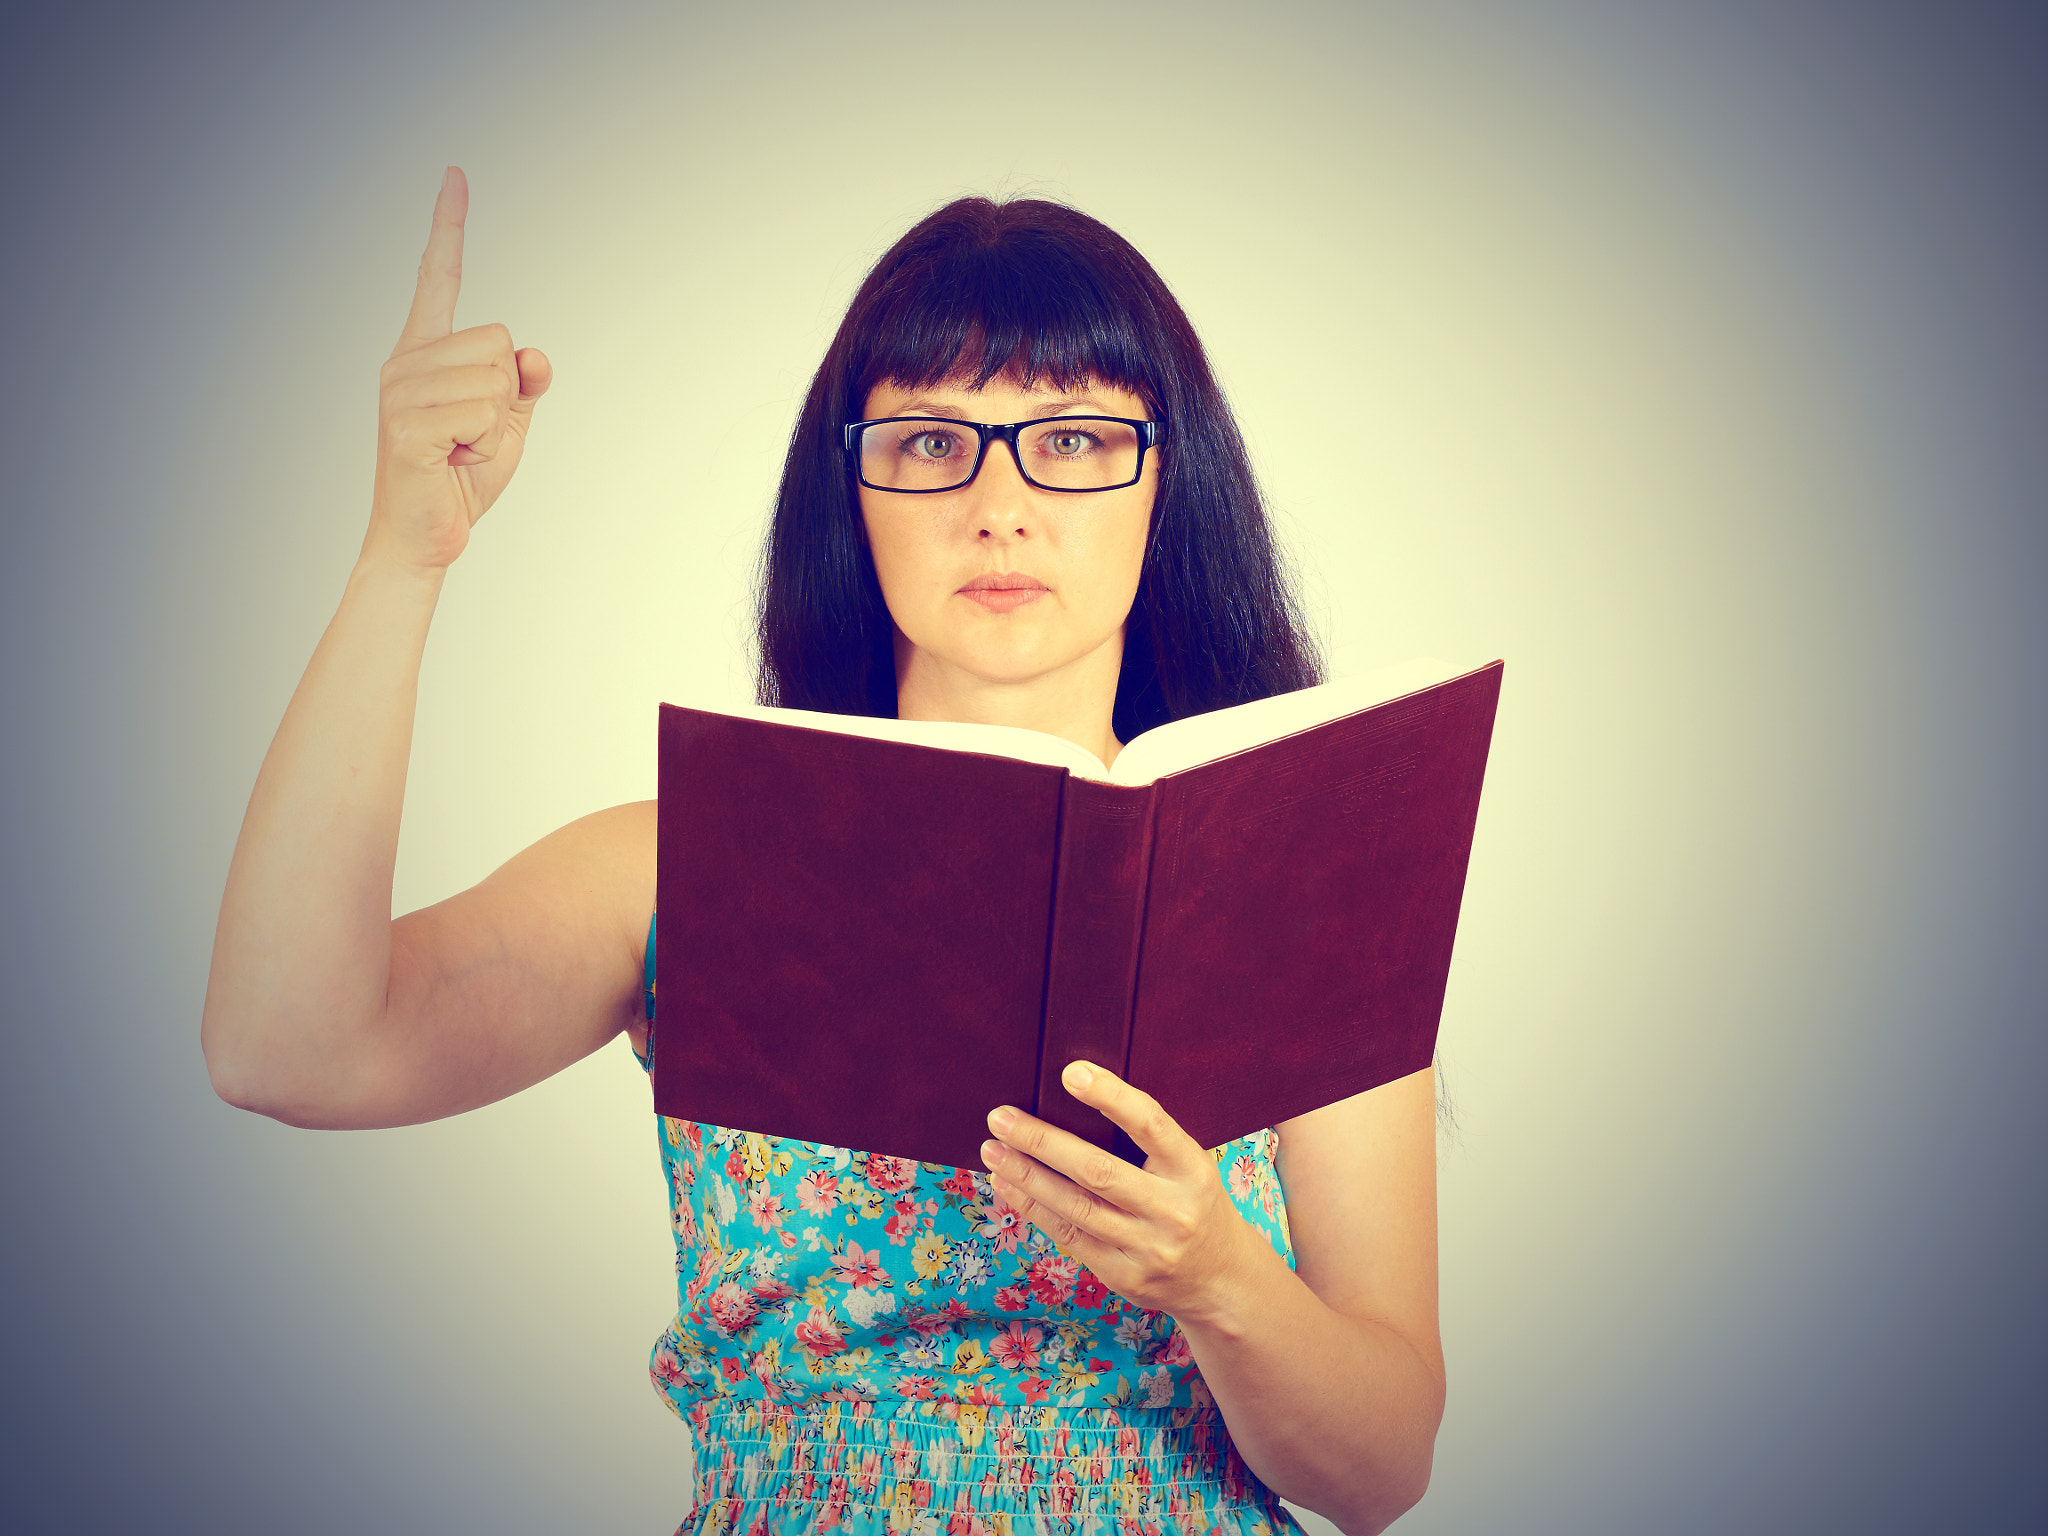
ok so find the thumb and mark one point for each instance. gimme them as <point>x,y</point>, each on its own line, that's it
<point>535,374</point>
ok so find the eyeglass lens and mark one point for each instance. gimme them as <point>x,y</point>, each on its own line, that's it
<point>1080,453</point>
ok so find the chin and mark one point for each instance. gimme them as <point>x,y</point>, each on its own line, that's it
<point>997,642</point>
<point>1010,653</point>
<point>1008,669</point>
<point>1013,663</point>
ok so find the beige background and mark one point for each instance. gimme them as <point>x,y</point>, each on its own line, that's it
<point>1688,357</point>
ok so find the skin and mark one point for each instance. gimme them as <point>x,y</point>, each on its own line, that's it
<point>323,1010</point>
<point>1050,664</point>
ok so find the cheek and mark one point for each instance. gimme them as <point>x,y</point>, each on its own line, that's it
<point>885,544</point>
<point>1104,559</point>
<point>906,561</point>
<point>1119,549</point>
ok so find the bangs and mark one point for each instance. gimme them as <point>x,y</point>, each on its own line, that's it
<point>1028,307</point>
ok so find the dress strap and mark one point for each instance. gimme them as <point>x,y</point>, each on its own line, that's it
<point>647,994</point>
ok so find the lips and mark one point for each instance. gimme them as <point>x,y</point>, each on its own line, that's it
<point>1005,581</point>
<point>1004,591</point>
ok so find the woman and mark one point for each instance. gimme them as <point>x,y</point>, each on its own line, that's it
<point>1061,1340</point>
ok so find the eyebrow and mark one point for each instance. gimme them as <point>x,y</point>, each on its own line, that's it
<point>929,406</point>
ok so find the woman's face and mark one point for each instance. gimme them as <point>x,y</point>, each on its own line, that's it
<point>1082,550</point>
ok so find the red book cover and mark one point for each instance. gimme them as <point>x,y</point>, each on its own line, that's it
<point>870,943</point>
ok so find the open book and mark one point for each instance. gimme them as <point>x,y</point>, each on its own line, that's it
<point>872,932</point>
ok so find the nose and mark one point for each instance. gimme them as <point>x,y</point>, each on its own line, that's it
<point>1000,498</point>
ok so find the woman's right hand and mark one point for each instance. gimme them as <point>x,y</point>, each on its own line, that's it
<point>452,411</point>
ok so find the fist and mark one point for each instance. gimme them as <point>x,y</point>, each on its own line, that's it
<point>453,409</point>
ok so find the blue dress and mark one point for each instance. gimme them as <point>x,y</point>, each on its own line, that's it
<point>866,1344</point>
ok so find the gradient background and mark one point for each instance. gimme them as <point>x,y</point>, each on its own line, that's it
<point>1689,357</point>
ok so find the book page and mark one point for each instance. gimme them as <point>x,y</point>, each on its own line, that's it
<point>1203,738</point>
<point>1162,750</point>
<point>949,735</point>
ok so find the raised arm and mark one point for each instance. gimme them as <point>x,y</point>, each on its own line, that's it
<point>320,1009</point>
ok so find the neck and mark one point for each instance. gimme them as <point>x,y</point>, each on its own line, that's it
<point>1075,702</point>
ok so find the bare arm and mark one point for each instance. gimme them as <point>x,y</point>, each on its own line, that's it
<point>1332,1378</point>
<point>1329,1376</point>
<point>320,1010</point>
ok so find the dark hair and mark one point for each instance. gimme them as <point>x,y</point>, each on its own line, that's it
<point>1041,290</point>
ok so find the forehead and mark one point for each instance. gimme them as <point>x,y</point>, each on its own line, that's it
<point>1003,398</point>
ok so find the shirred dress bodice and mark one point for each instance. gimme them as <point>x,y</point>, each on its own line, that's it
<point>863,1343</point>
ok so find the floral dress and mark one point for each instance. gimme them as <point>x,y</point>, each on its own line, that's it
<point>866,1344</point>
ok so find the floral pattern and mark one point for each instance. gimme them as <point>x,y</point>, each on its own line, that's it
<point>864,1343</point>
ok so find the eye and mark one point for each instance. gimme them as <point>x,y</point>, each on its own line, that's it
<point>1067,444</point>
<point>935,445</point>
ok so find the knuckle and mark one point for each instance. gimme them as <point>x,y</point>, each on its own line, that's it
<point>1099,1172</point>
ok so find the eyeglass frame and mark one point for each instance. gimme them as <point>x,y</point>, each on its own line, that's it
<point>1150,433</point>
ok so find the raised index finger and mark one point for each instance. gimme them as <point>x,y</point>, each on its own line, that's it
<point>433,301</point>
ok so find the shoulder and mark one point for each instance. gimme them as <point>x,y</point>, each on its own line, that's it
<point>614,849</point>
<point>1380,1123</point>
<point>569,912</point>
<point>609,853</point>
<point>601,866</point>
<point>631,825</point>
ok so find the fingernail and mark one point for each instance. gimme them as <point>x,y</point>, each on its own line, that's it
<point>990,1151</point>
<point>1079,1074</point>
<point>1002,1119</point>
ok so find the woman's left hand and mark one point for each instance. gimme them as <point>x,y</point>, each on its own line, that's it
<point>1165,1236</point>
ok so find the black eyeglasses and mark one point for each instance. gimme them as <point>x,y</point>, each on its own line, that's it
<point>921,455</point>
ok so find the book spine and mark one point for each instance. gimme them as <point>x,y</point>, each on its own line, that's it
<point>1098,909</point>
